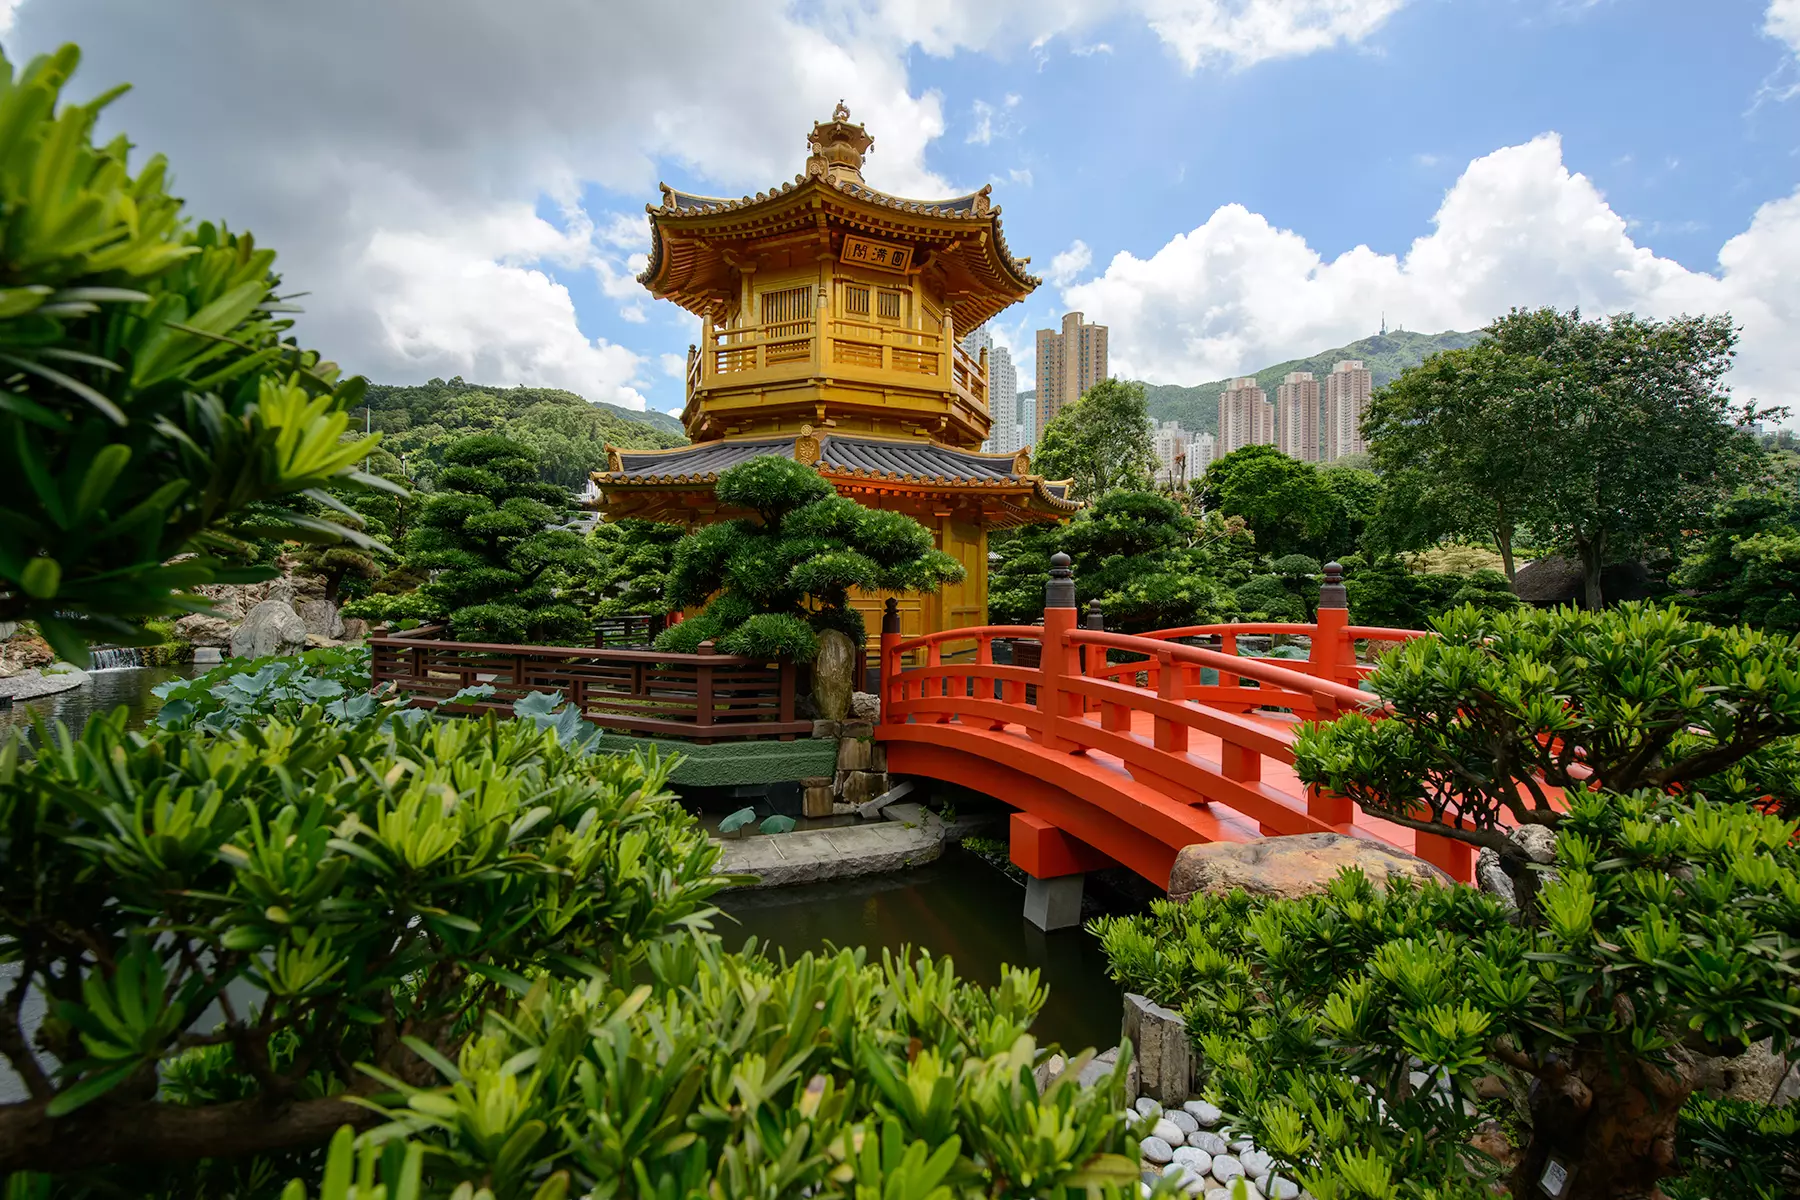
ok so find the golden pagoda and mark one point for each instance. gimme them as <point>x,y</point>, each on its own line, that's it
<point>830,316</point>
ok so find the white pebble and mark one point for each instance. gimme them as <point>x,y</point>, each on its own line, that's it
<point>1256,1162</point>
<point>1207,1114</point>
<point>1170,1132</point>
<point>1155,1150</point>
<point>1208,1141</point>
<point>1241,1144</point>
<point>1130,1115</point>
<point>1276,1187</point>
<point>1418,1079</point>
<point>1147,1106</point>
<point>1226,1168</point>
<point>1143,1188</point>
<point>1182,1120</point>
<point>1199,1160</point>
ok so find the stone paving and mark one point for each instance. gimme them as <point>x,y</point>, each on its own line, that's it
<point>836,853</point>
<point>30,684</point>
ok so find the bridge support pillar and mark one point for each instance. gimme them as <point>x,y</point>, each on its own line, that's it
<point>1054,903</point>
<point>1056,864</point>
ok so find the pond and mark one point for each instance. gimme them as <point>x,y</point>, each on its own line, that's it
<point>960,906</point>
<point>103,692</point>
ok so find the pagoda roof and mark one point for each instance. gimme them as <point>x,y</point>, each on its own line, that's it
<point>696,240</point>
<point>840,457</point>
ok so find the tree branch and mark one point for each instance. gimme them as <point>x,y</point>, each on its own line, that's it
<point>152,1132</point>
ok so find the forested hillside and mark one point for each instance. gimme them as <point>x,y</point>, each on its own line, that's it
<point>570,433</point>
<point>1385,354</point>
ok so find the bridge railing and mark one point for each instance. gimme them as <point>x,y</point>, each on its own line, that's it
<point>1077,696</point>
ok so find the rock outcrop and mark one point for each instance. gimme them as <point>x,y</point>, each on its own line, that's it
<point>1300,865</point>
<point>272,627</point>
<point>833,675</point>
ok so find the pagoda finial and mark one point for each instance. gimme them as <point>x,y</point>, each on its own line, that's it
<point>838,147</point>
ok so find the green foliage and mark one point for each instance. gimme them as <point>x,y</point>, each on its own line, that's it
<point>1150,565</point>
<point>350,570</point>
<point>366,884</point>
<point>568,434</point>
<point>632,560</point>
<point>1607,436</point>
<point>1738,1149</point>
<point>1291,506</point>
<point>152,394</point>
<point>1389,593</point>
<point>240,689</point>
<point>1347,1031</point>
<point>1490,718</point>
<point>1746,567</point>
<point>1102,442</point>
<point>501,574</point>
<point>770,584</point>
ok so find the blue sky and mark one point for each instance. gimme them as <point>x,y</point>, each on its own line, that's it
<point>1227,183</point>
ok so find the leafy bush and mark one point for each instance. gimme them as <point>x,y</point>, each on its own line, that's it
<point>1348,1031</point>
<point>1502,713</point>
<point>500,573</point>
<point>1390,593</point>
<point>345,893</point>
<point>1747,566</point>
<point>395,608</point>
<point>770,584</point>
<point>153,398</point>
<point>242,689</point>
<point>1738,1149</point>
<point>1267,598</point>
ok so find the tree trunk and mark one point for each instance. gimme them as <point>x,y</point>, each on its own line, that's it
<point>1503,533</point>
<point>102,1134</point>
<point>1610,1127</point>
<point>1593,557</point>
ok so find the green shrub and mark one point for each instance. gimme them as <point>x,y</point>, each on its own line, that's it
<point>1347,1031</point>
<point>633,559</point>
<point>1490,720</point>
<point>155,413</point>
<point>1738,1149</point>
<point>791,570</point>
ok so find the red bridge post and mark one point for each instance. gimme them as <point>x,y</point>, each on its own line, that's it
<point>1059,658</point>
<point>1332,656</point>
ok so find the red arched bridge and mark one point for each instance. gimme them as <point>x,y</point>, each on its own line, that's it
<point>1124,748</point>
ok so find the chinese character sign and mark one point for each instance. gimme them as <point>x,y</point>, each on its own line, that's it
<point>875,254</point>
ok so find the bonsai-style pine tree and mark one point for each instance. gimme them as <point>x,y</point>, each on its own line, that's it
<point>500,574</point>
<point>632,559</point>
<point>780,578</point>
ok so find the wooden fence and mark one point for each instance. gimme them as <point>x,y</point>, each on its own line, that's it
<point>702,697</point>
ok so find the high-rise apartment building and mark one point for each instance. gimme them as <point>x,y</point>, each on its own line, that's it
<point>1005,436</point>
<point>1347,391</point>
<point>1170,443</point>
<point>1246,418</point>
<point>1201,451</point>
<point>1068,364</point>
<point>1297,402</point>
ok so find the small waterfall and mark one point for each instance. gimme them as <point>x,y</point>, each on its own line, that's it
<point>112,658</point>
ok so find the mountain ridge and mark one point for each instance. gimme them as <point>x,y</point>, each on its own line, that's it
<point>1196,406</point>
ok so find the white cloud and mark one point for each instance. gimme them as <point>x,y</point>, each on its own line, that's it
<point>1070,263</point>
<point>673,365</point>
<point>1782,22</point>
<point>1518,228</point>
<point>982,132</point>
<point>392,152</point>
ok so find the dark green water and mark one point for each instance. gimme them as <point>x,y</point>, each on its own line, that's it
<point>103,692</point>
<point>958,906</point>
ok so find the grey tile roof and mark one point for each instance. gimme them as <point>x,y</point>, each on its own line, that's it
<point>708,458</point>
<point>899,458</point>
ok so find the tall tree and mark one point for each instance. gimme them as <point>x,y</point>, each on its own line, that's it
<point>1458,435</point>
<point>500,573</point>
<point>1101,442</point>
<point>1286,502</point>
<point>1642,439</point>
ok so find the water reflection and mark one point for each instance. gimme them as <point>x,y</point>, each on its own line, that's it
<point>103,692</point>
<point>958,906</point>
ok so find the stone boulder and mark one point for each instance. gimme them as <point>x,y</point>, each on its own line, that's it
<point>22,651</point>
<point>272,627</point>
<point>1301,865</point>
<point>202,629</point>
<point>865,706</point>
<point>834,674</point>
<point>321,617</point>
<point>355,629</point>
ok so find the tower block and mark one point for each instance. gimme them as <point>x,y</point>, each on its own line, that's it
<point>830,314</point>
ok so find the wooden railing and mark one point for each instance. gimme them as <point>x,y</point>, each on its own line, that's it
<point>969,377</point>
<point>701,697</point>
<point>632,630</point>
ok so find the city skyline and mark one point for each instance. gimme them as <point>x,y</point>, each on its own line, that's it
<point>1068,361</point>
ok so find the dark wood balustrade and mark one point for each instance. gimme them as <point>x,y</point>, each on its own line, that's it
<point>701,698</point>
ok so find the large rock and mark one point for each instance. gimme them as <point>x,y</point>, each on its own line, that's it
<point>201,629</point>
<point>23,651</point>
<point>865,706</point>
<point>272,627</point>
<point>1300,865</point>
<point>1163,1053</point>
<point>834,674</point>
<point>321,617</point>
